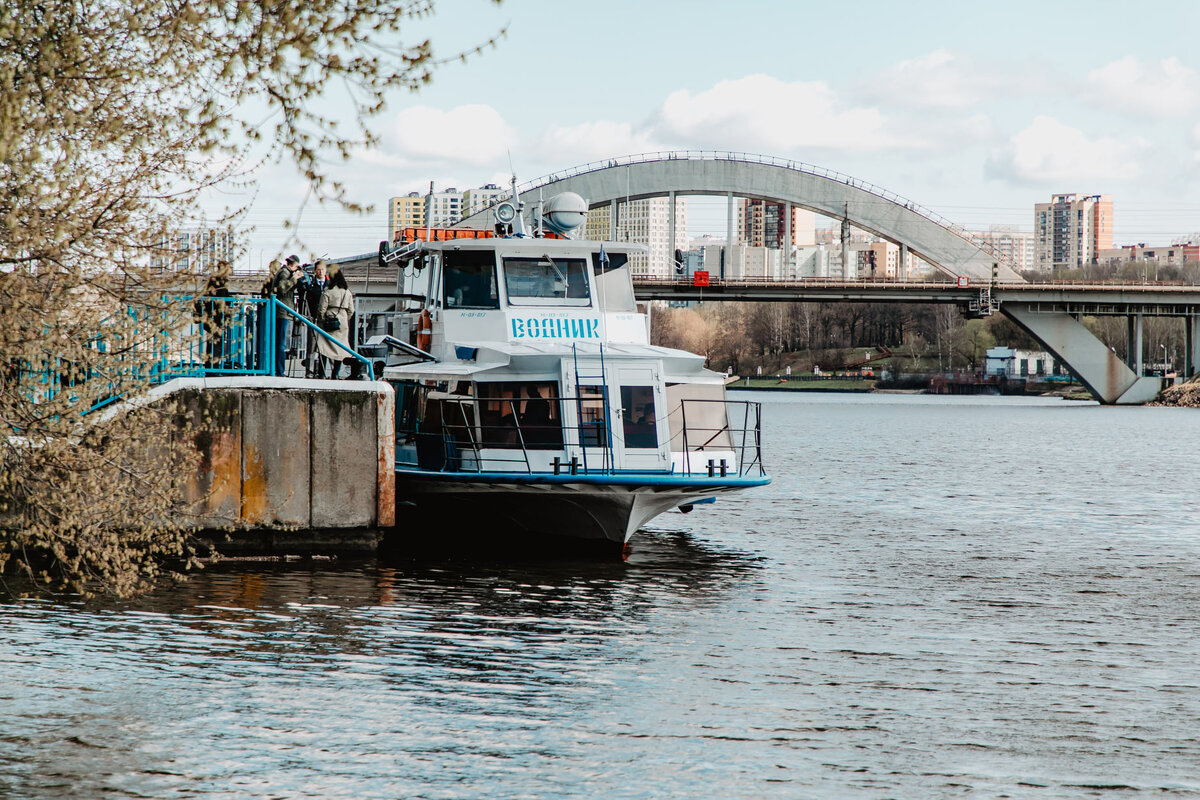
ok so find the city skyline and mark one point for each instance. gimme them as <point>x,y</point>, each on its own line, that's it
<point>976,126</point>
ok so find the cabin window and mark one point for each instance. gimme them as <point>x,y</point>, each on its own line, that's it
<point>639,417</point>
<point>512,413</point>
<point>614,284</point>
<point>611,261</point>
<point>547,281</point>
<point>470,279</point>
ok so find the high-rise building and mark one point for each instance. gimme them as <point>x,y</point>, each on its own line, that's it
<point>197,250</point>
<point>764,224</point>
<point>474,200</point>
<point>1009,244</point>
<point>405,212</point>
<point>646,222</point>
<point>446,207</point>
<point>1071,230</point>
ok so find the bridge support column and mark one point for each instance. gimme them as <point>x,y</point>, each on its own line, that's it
<point>1096,366</point>
<point>1139,364</point>
<point>671,233</point>
<point>612,221</point>
<point>902,267</point>
<point>1191,345</point>
<point>729,241</point>
<point>787,242</point>
<point>846,276</point>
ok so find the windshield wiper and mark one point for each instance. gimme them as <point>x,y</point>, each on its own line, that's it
<point>557,271</point>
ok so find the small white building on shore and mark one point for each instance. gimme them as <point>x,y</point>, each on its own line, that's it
<point>1014,363</point>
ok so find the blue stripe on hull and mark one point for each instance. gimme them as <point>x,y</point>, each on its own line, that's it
<point>700,483</point>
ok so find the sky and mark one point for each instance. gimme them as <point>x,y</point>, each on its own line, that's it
<point>976,111</point>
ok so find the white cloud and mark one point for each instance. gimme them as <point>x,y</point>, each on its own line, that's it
<point>1050,152</point>
<point>938,81</point>
<point>1165,89</point>
<point>470,135</point>
<point>764,113</point>
<point>589,141</point>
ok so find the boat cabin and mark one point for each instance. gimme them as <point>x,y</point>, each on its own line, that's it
<point>536,358</point>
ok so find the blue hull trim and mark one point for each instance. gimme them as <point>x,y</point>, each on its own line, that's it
<point>655,480</point>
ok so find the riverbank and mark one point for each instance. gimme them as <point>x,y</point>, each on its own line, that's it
<point>868,385</point>
<point>833,384</point>
<point>1183,395</point>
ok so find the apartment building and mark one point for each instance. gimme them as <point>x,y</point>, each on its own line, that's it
<point>1071,230</point>
<point>474,200</point>
<point>197,250</point>
<point>405,212</point>
<point>1008,244</point>
<point>764,224</point>
<point>646,222</point>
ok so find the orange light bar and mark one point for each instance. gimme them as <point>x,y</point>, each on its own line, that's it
<point>449,234</point>
<point>440,234</point>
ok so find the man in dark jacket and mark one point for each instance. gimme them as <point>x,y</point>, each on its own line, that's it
<point>283,288</point>
<point>312,301</point>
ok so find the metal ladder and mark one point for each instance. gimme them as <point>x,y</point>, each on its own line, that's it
<point>607,465</point>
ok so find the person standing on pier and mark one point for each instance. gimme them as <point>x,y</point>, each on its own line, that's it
<point>313,368</point>
<point>283,288</point>
<point>333,315</point>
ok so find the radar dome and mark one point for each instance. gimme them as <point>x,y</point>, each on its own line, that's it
<point>564,212</point>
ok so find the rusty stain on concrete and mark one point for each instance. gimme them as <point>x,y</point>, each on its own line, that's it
<point>254,487</point>
<point>386,480</point>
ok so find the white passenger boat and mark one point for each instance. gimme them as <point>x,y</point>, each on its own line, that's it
<point>530,400</point>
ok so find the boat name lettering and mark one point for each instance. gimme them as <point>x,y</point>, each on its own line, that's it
<point>536,328</point>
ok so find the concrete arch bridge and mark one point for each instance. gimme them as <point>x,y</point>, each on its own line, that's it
<point>856,203</point>
<point>1051,314</point>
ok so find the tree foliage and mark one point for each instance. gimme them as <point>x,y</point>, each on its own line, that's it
<point>744,336</point>
<point>115,117</point>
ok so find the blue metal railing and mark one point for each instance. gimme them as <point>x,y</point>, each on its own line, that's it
<point>143,346</point>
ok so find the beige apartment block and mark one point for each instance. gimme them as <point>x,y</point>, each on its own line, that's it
<point>405,212</point>
<point>1071,230</point>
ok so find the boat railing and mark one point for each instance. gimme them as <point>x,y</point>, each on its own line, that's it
<point>705,429</point>
<point>706,437</point>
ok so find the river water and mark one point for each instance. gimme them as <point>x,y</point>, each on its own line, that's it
<point>936,597</point>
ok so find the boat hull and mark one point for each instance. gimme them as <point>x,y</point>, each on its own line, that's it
<point>598,512</point>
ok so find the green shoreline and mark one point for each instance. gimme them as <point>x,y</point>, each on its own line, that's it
<point>853,386</point>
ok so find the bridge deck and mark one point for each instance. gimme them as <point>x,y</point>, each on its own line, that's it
<point>1158,299</point>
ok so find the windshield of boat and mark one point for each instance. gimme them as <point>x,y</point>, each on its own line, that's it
<point>470,279</point>
<point>547,281</point>
<point>614,284</point>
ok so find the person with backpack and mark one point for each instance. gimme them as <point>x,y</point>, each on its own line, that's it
<point>334,313</point>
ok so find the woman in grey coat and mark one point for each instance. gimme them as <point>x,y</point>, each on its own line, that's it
<point>336,303</point>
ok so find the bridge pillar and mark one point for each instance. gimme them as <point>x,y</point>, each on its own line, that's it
<point>729,240</point>
<point>1097,367</point>
<point>612,221</point>
<point>1130,342</point>
<point>846,276</point>
<point>1191,345</point>
<point>902,267</point>
<point>787,241</point>
<point>1139,364</point>
<point>671,233</point>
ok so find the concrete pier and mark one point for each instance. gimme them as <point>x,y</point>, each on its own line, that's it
<point>295,466</point>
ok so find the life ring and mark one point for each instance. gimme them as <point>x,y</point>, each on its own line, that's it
<point>425,330</point>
